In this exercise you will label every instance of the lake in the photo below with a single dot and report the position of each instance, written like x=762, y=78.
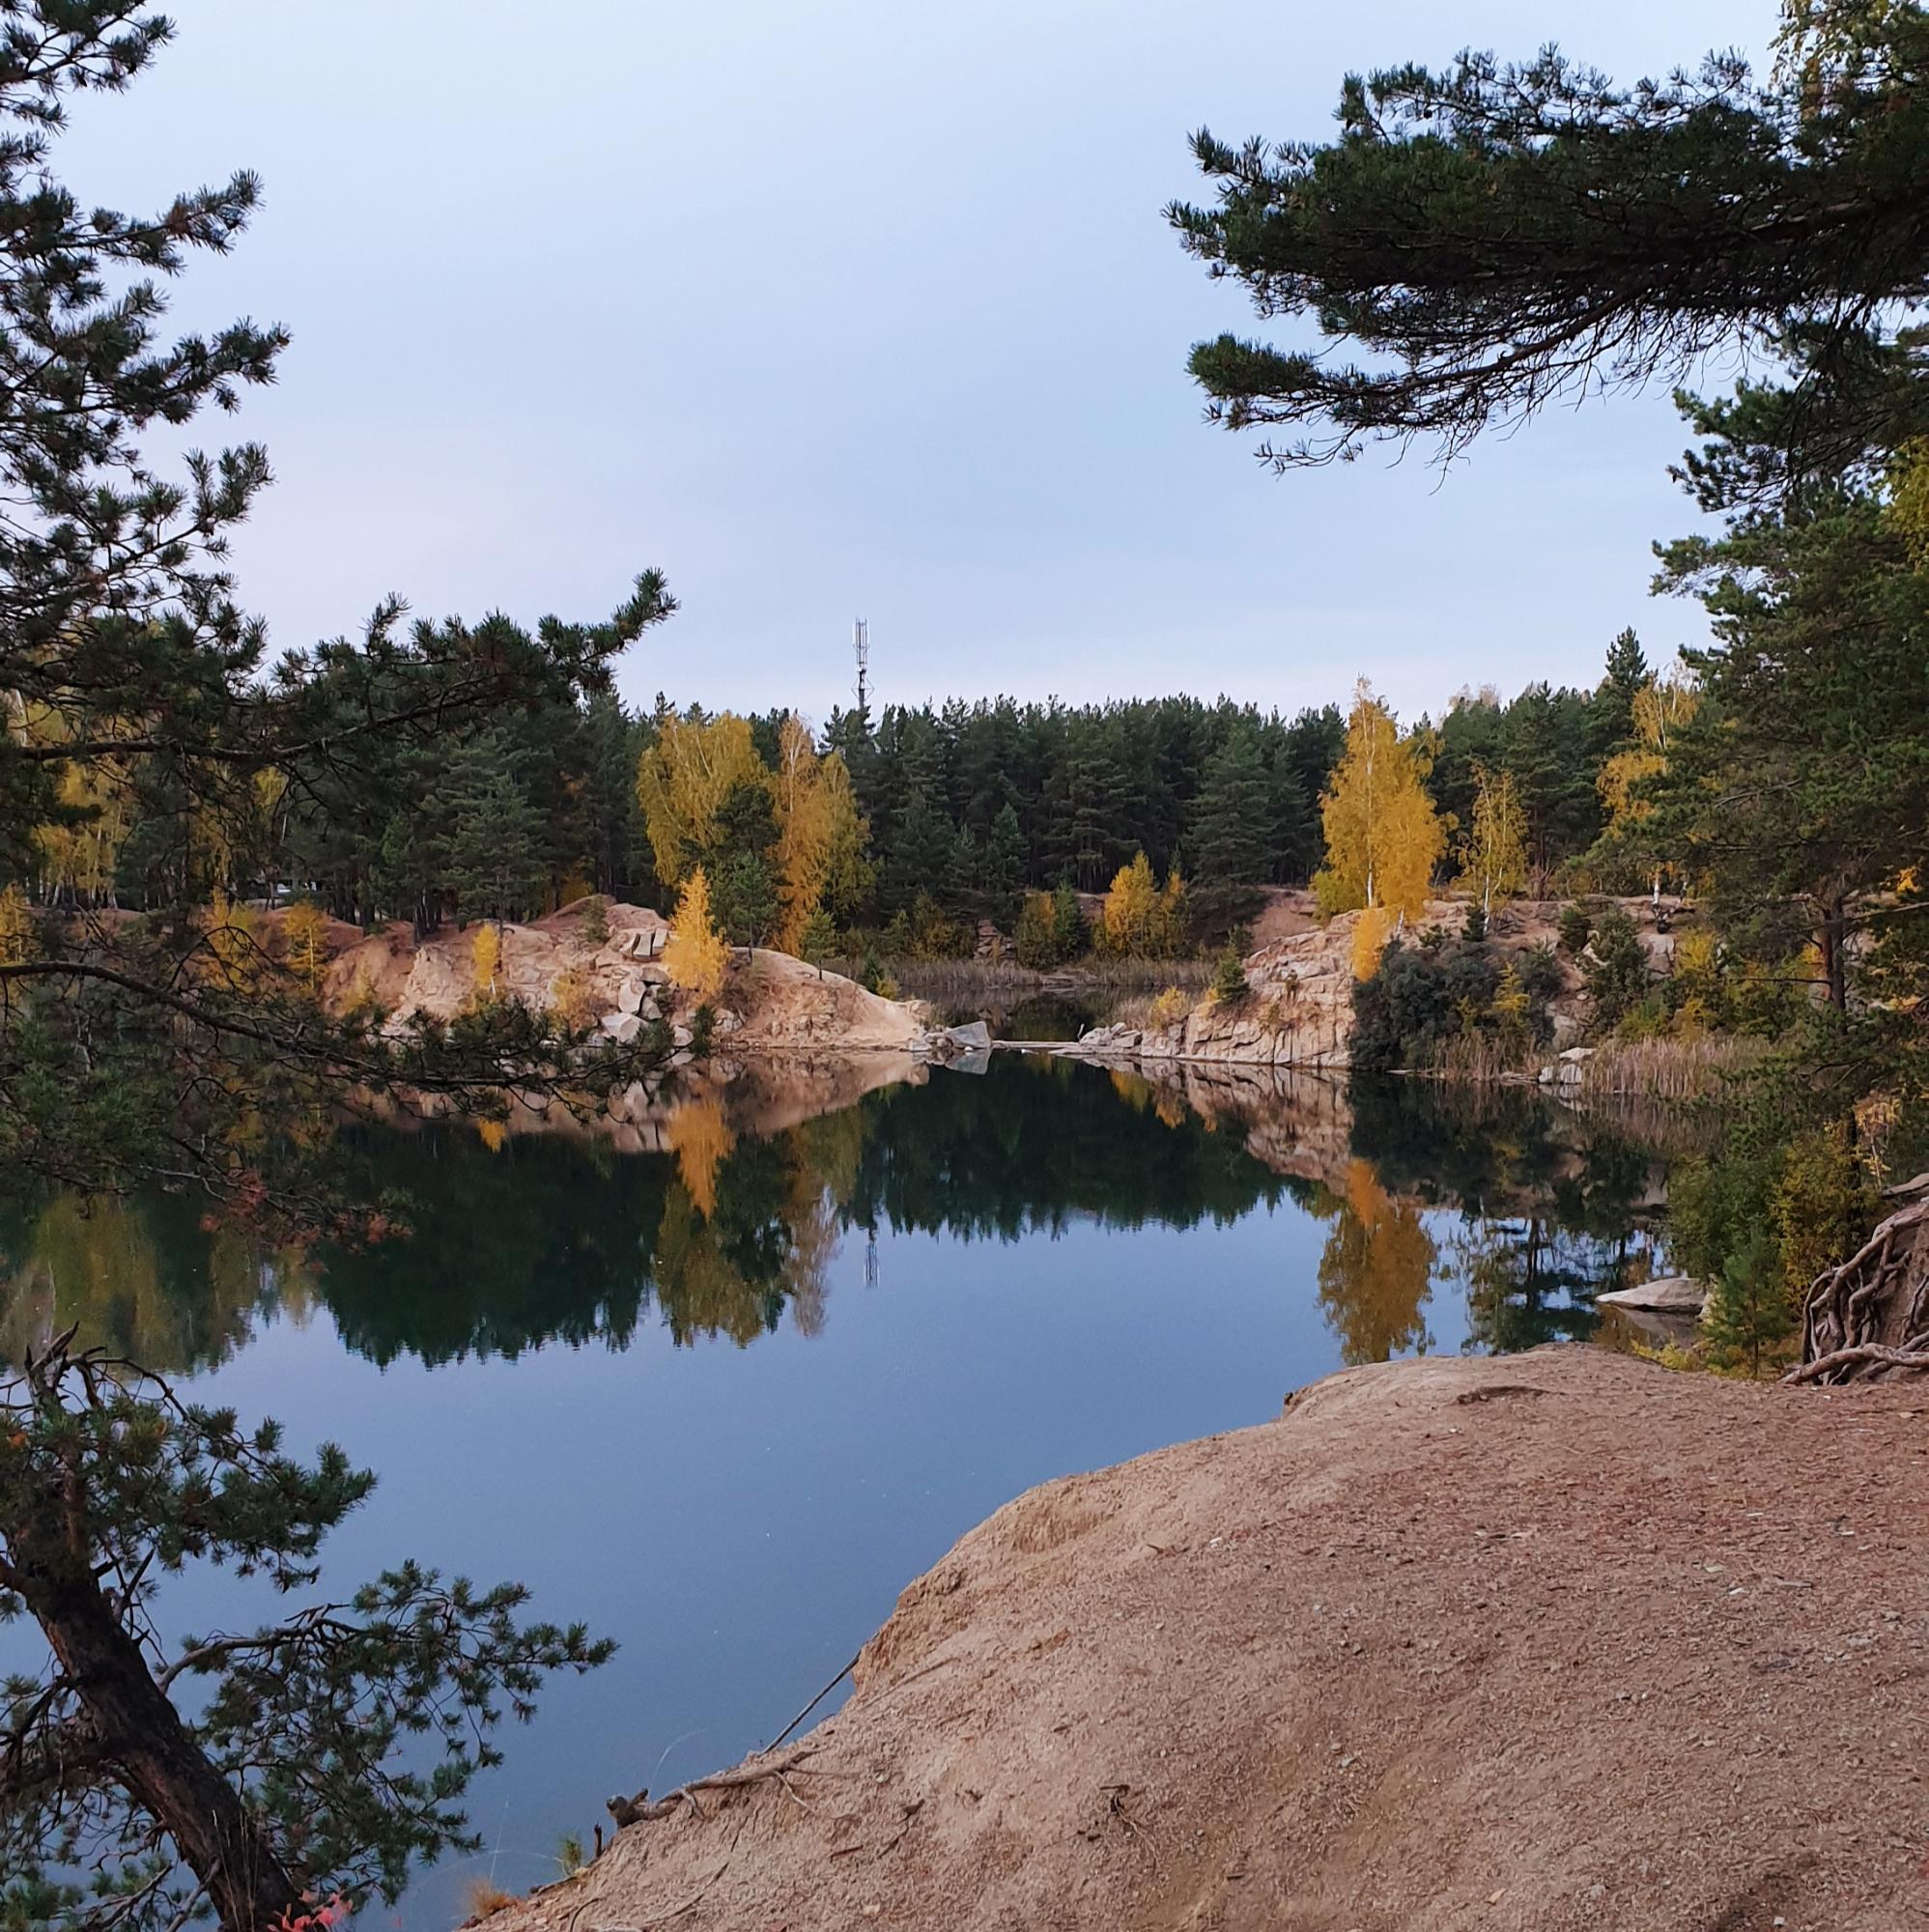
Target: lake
x=723, y=1384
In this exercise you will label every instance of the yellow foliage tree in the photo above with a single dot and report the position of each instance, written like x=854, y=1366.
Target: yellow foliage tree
x=1169, y=924
x=1369, y=936
x=572, y=997
x=1907, y=507
x=232, y=941
x=1663, y=707
x=83, y=850
x=820, y=835
x=1383, y=837
x=305, y=927
x=485, y=950
x=696, y=953
x=17, y=928
x=683, y=781
x=1128, y=920
x=1494, y=854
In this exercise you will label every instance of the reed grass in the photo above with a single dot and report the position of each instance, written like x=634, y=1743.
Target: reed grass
x=1704, y=1067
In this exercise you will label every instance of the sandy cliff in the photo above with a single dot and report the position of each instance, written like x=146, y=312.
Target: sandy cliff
x=1555, y=1642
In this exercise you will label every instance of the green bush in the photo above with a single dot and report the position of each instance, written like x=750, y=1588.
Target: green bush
x=1229, y=986
x=1615, y=967
x=1540, y=974
x=1422, y=999
x=1576, y=928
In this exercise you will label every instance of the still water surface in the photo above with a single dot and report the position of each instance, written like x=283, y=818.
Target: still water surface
x=724, y=1400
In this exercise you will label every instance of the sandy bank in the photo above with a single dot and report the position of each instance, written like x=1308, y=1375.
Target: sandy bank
x=1558, y=1640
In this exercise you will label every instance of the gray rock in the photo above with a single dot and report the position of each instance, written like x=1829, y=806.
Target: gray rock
x=1671, y=1295
x=622, y=1028
x=630, y=994
x=680, y=1036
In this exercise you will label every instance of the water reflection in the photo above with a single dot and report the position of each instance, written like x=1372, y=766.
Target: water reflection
x=717, y=1212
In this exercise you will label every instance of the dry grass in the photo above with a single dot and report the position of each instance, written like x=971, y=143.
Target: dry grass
x=1701, y=1068
x=965, y=979
x=1485, y=1057
x=483, y=1896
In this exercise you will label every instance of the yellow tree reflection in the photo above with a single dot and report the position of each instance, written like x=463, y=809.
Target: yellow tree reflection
x=1376, y=1271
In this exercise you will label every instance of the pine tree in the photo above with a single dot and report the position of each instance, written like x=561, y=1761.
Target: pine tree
x=1232, y=837
x=1453, y=219
x=818, y=941
x=1748, y=1314
x=747, y=905
x=109, y=1481
x=488, y=851
x=1005, y=860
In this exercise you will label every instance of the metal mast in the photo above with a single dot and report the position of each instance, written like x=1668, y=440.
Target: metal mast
x=861, y=643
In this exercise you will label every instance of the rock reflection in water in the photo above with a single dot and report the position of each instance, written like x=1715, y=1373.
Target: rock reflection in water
x=718, y=1206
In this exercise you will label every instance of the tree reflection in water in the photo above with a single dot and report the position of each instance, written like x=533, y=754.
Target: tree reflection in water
x=730, y=1225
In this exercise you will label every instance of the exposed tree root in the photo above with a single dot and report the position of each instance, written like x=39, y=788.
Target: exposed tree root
x=1869, y=1317
x=641, y=1809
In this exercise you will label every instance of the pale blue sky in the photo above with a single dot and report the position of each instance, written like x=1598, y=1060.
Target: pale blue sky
x=856, y=308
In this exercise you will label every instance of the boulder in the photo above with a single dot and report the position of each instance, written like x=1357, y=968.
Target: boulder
x=622, y=1028
x=1669, y=1295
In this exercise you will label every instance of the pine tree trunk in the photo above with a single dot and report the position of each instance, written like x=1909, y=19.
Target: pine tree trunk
x=1835, y=963
x=135, y=1730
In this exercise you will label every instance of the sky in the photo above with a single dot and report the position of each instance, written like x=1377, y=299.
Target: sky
x=864, y=308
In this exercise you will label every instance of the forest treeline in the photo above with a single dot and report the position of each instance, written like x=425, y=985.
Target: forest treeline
x=927, y=811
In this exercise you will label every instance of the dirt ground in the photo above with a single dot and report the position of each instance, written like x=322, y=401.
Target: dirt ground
x=1558, y=1640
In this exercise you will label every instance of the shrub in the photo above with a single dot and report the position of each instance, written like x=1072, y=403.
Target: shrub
x=1473, y=929
x=592, y=925
x=1615, y=966
x=1051, y=929
x=1169, y=1007
x=1748, y=1310
x=1229, y=979
x=1576, y=928
x=1424, y=1004
x=1541, y=972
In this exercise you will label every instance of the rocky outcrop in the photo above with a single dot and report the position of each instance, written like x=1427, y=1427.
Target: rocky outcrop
x=1299, y=1008
x=770, y=1003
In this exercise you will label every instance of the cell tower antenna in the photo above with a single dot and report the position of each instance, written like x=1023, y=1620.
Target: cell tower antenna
x=861, y=643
